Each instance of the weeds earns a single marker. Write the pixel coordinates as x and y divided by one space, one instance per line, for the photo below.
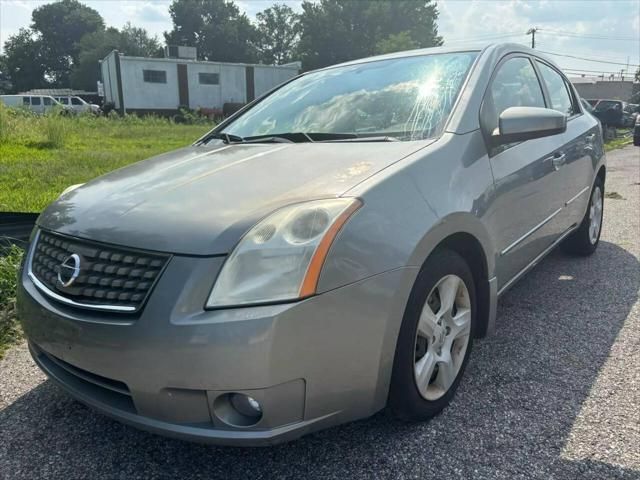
9 266
56 129
4 124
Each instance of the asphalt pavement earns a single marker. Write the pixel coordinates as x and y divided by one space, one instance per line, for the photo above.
554 394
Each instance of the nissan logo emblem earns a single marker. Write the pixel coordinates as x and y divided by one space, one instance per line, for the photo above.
69 270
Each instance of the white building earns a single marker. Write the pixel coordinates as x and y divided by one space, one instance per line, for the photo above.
164 85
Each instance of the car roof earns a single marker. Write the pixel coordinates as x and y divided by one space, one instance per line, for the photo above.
499 49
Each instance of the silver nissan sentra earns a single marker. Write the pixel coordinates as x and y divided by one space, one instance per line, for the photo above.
332 249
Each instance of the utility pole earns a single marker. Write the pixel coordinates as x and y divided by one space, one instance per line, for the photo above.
532 32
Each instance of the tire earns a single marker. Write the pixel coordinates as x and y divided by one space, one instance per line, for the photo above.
583 241
411 398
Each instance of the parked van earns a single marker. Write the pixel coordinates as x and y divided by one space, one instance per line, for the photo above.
35 103
78 105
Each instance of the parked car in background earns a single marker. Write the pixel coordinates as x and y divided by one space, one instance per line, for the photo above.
36 103
614 113
633 110
78 105
333 248
636 132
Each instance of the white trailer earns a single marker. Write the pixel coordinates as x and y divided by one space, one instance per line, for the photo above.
164 85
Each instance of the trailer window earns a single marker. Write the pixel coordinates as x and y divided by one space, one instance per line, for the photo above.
154 76
209 78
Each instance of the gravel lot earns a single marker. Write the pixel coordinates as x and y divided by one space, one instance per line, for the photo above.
554 394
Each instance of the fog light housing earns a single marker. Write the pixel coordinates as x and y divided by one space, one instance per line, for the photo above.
246 405
238 409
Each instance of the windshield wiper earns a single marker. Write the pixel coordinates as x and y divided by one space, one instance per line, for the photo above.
299 137
380 138
225 137
268 139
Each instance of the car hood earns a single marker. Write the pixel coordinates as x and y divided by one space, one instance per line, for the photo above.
201 199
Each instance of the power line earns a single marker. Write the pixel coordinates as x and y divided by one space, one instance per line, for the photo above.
582 35
581 70
590 59
484 37
587 70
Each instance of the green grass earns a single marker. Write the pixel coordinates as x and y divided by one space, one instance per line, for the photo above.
40 156
9 327
618 143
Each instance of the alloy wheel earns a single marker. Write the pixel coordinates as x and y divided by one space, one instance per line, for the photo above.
442 337
595 215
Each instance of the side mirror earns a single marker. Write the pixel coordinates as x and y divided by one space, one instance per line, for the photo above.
517 124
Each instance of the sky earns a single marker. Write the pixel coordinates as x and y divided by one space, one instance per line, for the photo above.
603 30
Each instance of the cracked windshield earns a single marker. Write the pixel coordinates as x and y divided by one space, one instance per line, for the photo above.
406 98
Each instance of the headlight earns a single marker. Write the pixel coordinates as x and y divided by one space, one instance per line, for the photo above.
280 258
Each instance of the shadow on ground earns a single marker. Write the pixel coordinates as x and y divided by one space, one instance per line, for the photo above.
511 418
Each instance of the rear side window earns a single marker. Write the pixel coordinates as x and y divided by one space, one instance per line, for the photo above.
25 101
35 100
557 88
75 101
515 84
46 100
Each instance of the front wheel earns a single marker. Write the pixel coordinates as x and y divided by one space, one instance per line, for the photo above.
435 338
584 240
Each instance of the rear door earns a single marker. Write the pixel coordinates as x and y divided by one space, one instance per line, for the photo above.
523 217
583 145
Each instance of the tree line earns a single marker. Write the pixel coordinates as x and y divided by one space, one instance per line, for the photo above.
66 39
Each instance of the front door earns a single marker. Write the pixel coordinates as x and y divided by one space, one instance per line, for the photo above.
523 219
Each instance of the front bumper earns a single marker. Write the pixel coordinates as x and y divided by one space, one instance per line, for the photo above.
311 364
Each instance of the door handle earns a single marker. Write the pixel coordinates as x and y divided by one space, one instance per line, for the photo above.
558 161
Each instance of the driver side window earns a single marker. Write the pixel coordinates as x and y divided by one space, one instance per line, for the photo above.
515 84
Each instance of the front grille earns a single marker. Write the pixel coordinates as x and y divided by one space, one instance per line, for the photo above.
109 278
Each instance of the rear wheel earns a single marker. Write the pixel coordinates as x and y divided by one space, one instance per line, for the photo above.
435 338
585 239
